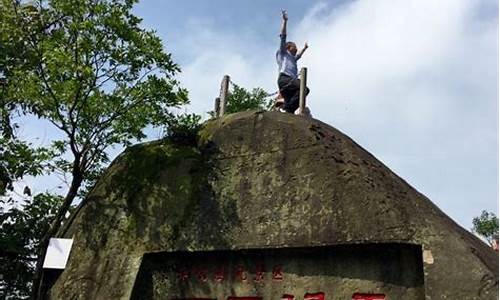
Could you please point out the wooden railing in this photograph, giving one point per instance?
(221, 101)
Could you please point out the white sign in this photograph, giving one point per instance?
(57, 253)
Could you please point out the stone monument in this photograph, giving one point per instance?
(266, 206)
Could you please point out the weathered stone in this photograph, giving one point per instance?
(268, 181)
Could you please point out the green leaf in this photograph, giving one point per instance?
(486, 225)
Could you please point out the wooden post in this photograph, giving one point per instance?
(217, 107)
(223, 95)
(302, 95)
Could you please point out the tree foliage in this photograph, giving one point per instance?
(21, 228)
(241, 99)
(486, 226)
(17, 158)
(99, 78)
(88, 68)
(183, 129)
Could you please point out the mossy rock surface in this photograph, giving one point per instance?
(261, 180)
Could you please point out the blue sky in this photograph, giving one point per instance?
(414, 82)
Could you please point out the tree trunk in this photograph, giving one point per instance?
(37, 291)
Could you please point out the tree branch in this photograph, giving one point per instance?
(125, 109)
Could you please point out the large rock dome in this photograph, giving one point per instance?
(262, 181)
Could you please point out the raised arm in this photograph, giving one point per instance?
(284, 18)
(301, 51)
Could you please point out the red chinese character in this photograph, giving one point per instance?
(240, 274)
(359, 296)
(287, 297)
(314, 296)
(202, 275)
(259, 273)
(183, 275)
(277, 273)
(220, 274)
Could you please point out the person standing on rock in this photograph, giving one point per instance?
(287, 57)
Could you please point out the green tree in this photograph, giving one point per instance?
(17, 158)
(21, 224)
(183, 129)
(486, 226)
(241, 99)
(98, 77)
(21, 228)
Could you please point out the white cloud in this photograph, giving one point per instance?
(214, 54)
(383, 54)
(415, 82)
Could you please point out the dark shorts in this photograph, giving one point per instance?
(290, 90)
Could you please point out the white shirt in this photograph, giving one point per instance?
(287, 63)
